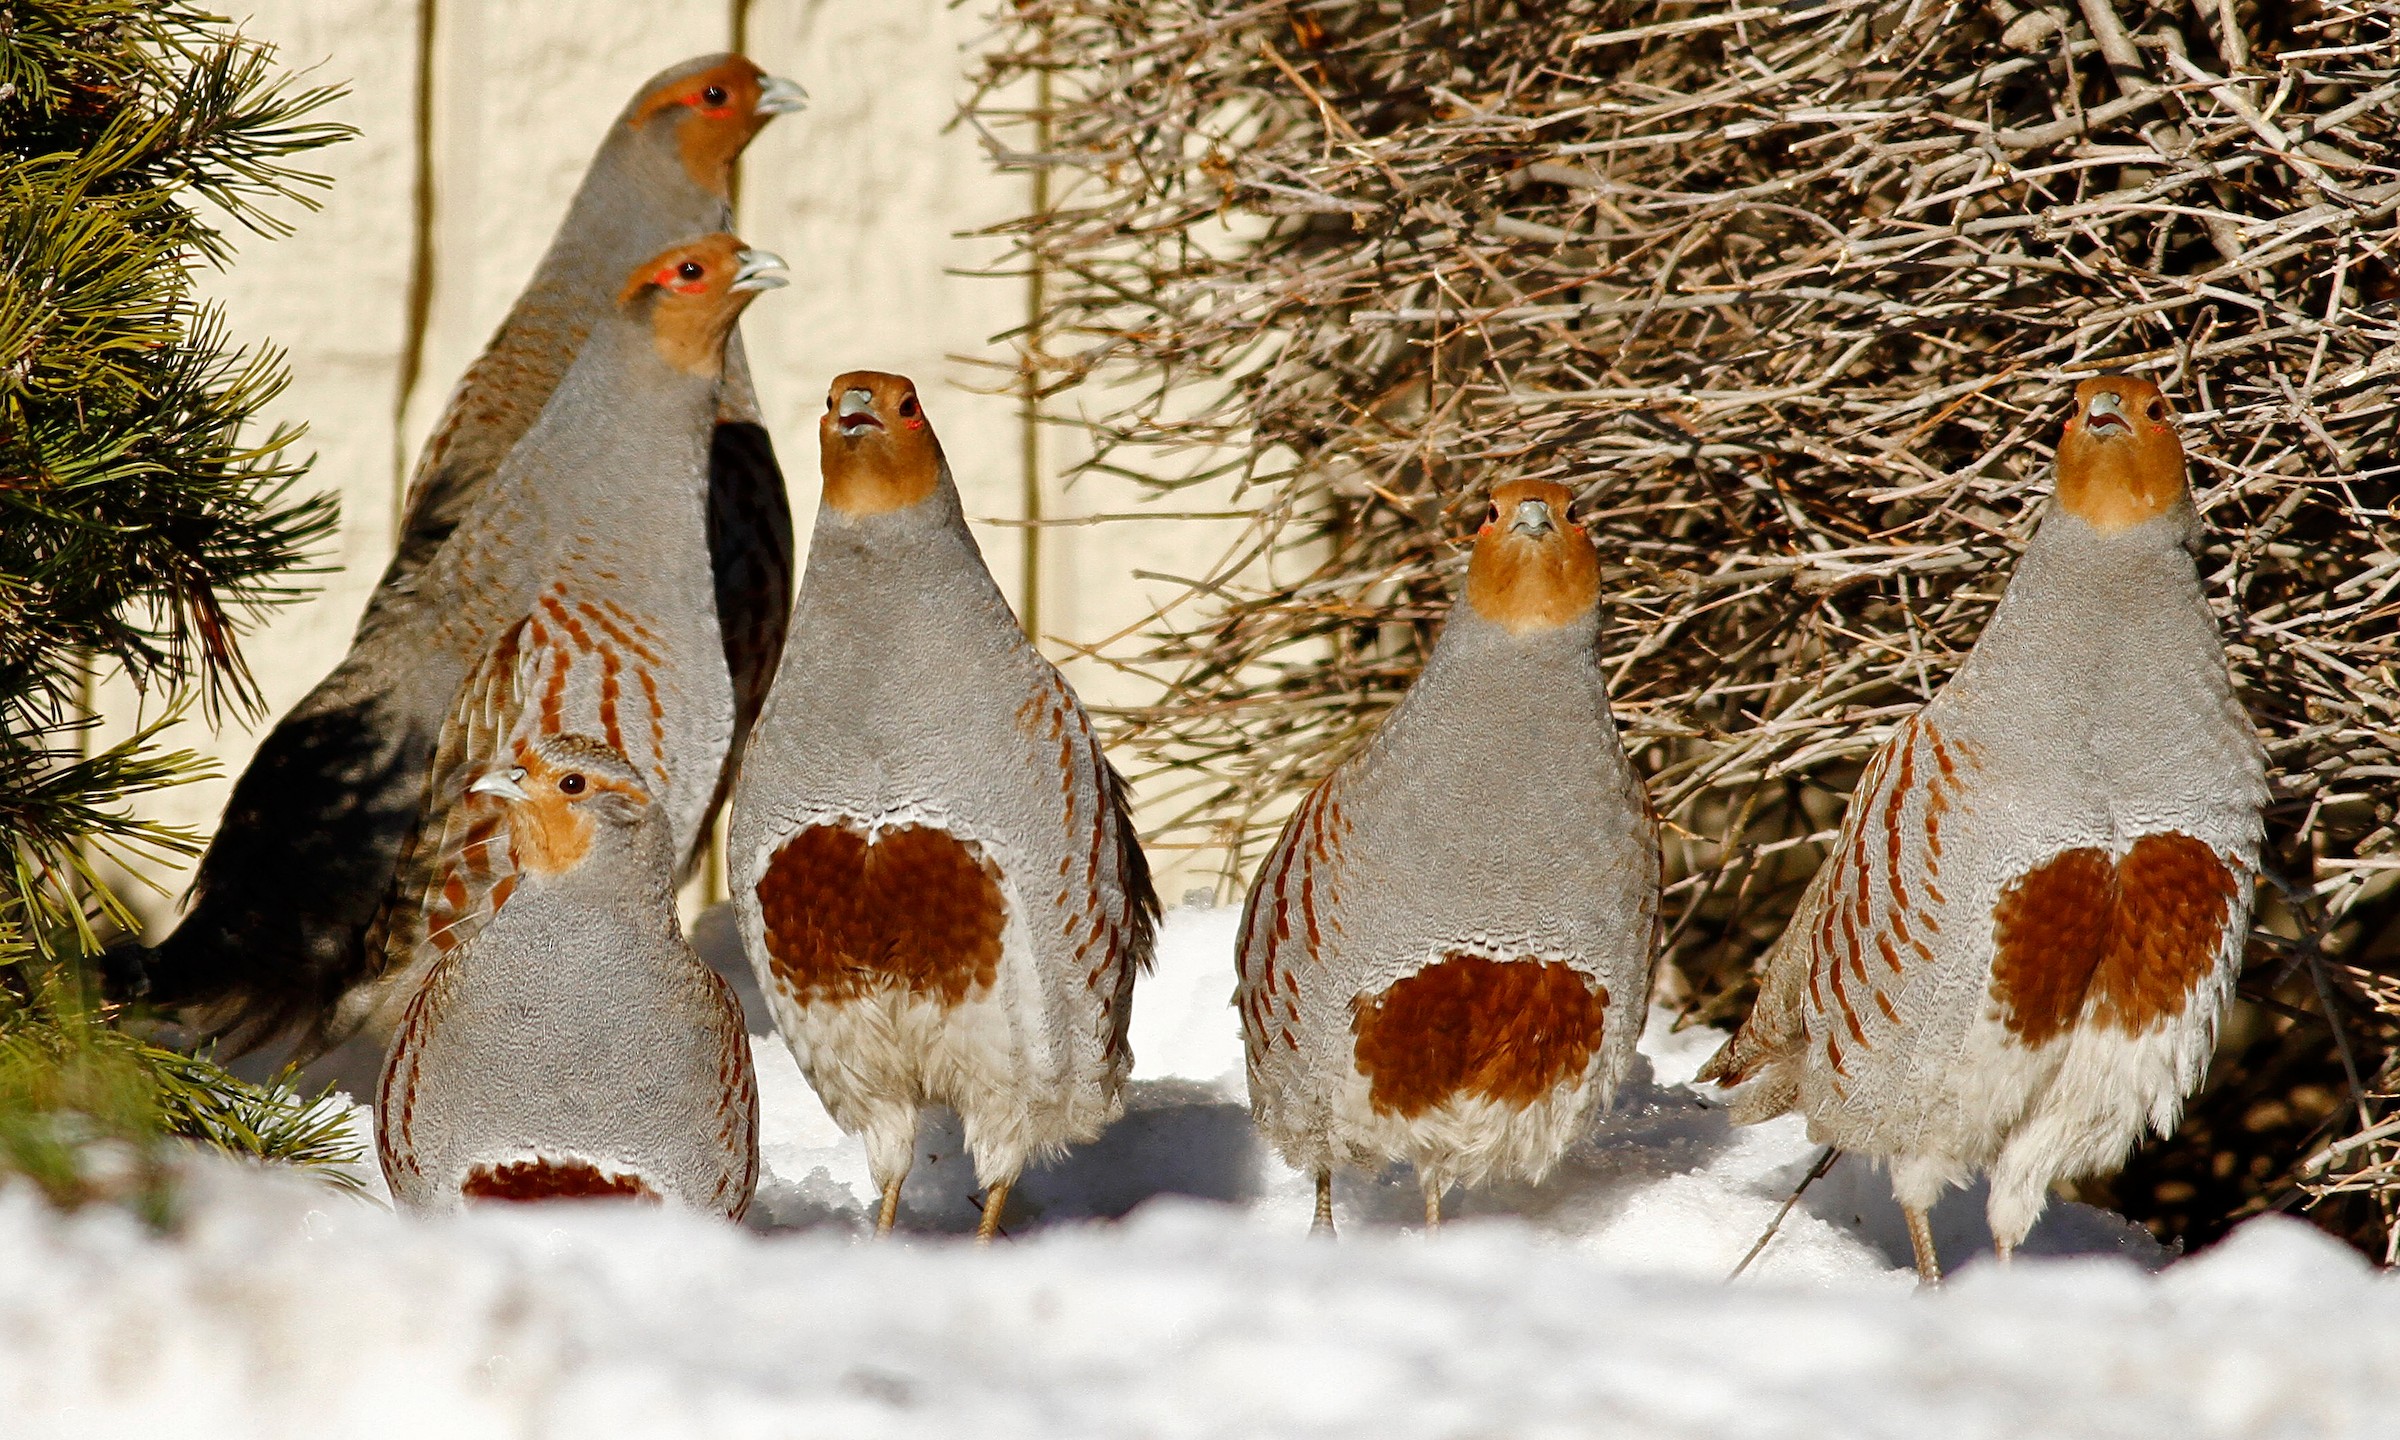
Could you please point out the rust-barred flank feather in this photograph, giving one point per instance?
(1873, 926)
(915, 908)
(1472, 1027)
(2131, 938)
(540, 1179)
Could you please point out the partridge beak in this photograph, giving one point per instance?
(1532, 518)
(2104, 409)
(857, 413)
(502, 783)
(778, 96)
(758, 270)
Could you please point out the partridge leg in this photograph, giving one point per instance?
(2005, 1249)
(995, 1199)
(1433, 1205)
(891, 1209)
(1920, 1239)
(1323, 1224)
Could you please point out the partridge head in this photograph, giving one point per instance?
(2120, 461)
(703, 113)
(690, 296)
(877, 450)
(1533, 568)
(567, 798)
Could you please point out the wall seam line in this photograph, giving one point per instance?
(420, 263)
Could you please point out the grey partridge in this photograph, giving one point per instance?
(1446, 957)
(662, 174)
(2015, 958)
(937, 880)
(595, 527)
(566, 1041)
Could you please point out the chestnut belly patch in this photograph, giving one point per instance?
(1469, 1026)
(2128, 940)
(916, 908)
(540, 1179)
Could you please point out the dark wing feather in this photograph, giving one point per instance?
(1133, 915)
(301, 860)
(750, 552)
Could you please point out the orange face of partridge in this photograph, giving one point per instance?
(1533, 569)
(696, 292)
(550, 822)
(877, 448)
(2119, 462)
(715, 113)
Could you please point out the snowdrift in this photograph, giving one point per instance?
(1160, 1283)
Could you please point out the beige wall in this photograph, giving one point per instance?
(866, 193)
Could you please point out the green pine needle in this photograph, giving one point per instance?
(147, 522)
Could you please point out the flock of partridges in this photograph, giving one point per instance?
(466, 839)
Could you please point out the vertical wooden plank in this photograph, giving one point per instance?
(332, 296)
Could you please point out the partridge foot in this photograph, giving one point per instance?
(1920, 1239)
(995, 1199)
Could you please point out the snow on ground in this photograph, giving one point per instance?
(1595, 1303)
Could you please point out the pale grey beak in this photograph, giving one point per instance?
(857, 410)
(2106, 409)
(778, 96)
(1532, 518)
(503, 783)
(758, 270)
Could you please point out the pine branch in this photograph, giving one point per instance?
(146, 521)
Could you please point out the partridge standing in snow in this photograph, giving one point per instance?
(2016, 956)
(663, 174)
(1446, 958)
(936, 877)
(566, 1041)
(595, 527)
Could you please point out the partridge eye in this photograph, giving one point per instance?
(570, 784)
(2158, 411)
(691, 270)
(1491, 514)
(714, 95)
(908, 407)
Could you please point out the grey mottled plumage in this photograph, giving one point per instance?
(2016, 956)
(933, 866)
(566, 1041)
(1446, 958)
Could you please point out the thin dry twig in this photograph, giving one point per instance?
(1792, 297)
